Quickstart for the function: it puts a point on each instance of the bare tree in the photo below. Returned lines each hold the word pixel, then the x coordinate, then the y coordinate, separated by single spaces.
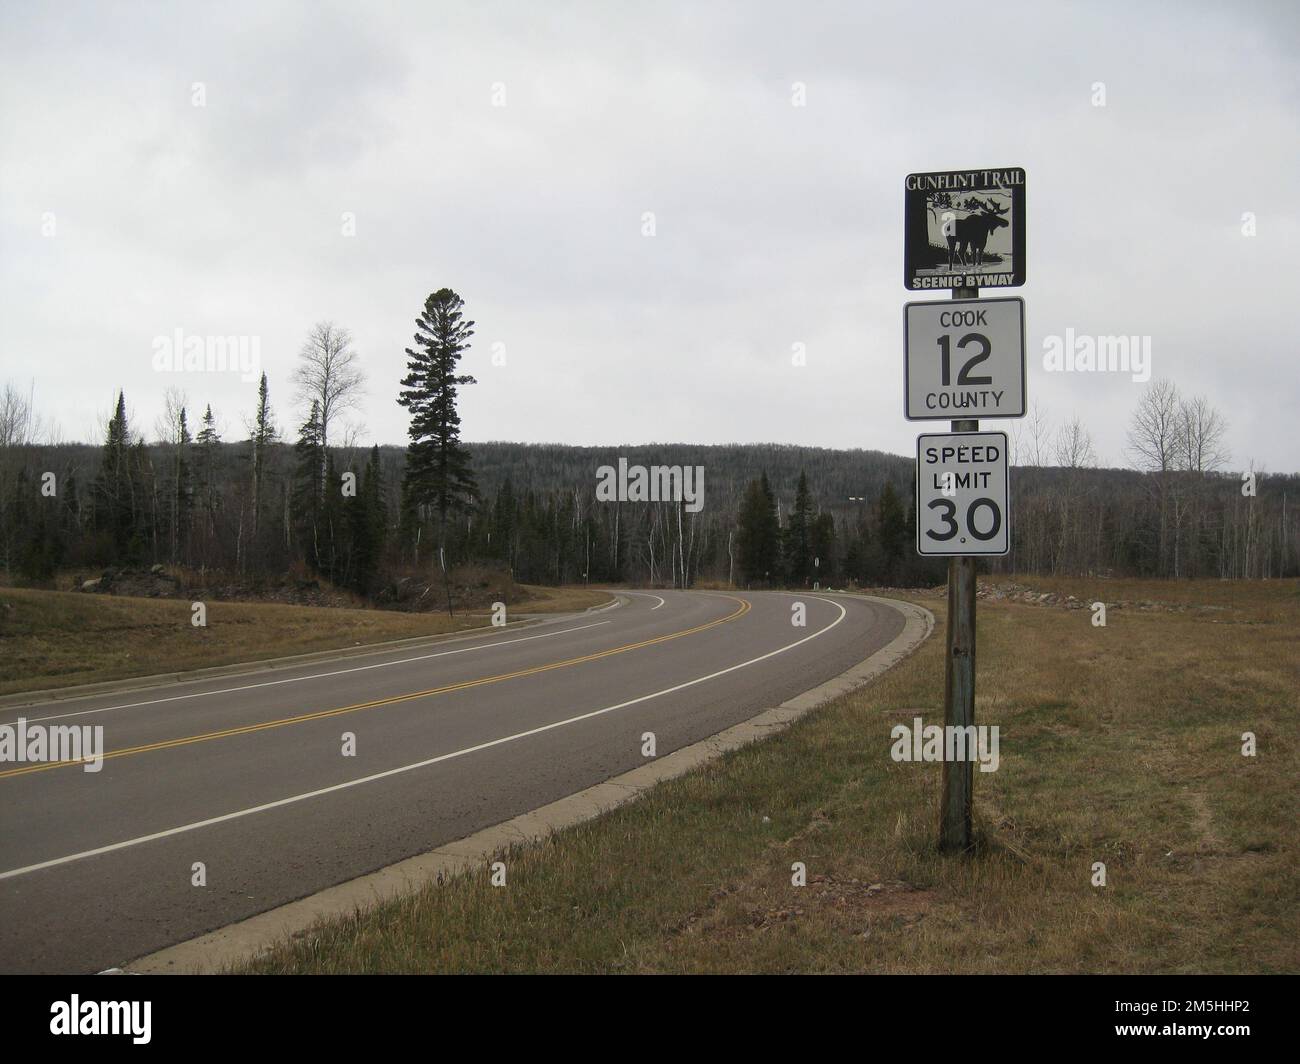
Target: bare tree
pixel 1040 434
pixel 328 374
pixel 353 434
pixel 1153 432
pixel 16 418
pixel 1074 448
pixel 1153 444
pixel 1200 430
pixel 172 429
pixel 17 433
pixel 1073 451
pixel 1199 448
pixel 20 424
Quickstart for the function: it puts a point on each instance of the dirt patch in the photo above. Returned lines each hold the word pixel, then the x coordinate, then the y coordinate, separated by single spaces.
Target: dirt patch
pixel 854 899
pixel 160 582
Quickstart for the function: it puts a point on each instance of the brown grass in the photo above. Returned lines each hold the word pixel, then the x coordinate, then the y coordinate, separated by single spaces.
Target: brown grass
pixel 52 639
pixel 537 599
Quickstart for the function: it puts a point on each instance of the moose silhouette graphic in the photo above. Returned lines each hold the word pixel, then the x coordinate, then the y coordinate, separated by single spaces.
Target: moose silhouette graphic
pixel 971 234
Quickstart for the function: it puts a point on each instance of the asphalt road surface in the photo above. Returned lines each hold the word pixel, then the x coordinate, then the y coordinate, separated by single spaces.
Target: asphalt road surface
pixel 246 773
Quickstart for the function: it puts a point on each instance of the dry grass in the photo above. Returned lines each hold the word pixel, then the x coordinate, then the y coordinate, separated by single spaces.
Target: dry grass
pixel 51 639
pixel 1119 744
pixel 538 599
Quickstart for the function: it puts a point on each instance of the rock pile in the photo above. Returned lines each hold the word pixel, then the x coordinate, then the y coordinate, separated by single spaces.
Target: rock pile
pixel 1012 592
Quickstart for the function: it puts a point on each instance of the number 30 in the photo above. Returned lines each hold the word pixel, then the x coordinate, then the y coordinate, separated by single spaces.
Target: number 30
pixel 949 508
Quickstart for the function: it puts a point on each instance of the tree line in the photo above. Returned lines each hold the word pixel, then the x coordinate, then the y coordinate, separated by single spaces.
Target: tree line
pixel 315 504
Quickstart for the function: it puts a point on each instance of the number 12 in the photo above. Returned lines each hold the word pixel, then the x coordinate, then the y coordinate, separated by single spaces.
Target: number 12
pixel 964 376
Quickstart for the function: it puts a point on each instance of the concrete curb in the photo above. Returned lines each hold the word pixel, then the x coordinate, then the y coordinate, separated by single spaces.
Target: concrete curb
pixel 133 683
pixel 243 940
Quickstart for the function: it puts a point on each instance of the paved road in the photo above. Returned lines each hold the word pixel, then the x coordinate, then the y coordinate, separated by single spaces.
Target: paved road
pixel 246 773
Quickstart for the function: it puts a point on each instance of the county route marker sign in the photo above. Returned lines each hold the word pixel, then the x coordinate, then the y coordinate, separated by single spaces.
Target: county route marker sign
pixel 962 496
pixel 964 358
pixel 964 229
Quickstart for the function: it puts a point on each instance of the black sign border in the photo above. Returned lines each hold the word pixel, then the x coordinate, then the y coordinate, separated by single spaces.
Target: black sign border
pixel 1018 211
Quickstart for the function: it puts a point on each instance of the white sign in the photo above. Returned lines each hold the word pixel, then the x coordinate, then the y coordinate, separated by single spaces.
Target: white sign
pixel 962 493
pixel 965 358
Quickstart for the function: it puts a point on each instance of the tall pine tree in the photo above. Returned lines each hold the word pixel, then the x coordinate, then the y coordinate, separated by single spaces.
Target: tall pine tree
pixel 264 434
pixel 438 479
pixel 114 489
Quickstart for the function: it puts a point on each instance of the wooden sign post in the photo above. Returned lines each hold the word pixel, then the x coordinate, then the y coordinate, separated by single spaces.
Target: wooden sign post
pixel 959 679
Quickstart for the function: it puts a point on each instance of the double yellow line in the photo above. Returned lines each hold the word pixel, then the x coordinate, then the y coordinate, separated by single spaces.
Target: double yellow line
pixel 322 714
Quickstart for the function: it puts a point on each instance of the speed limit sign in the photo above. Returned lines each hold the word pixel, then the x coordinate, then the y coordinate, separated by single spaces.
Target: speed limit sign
pixel 965 358
pixel 962 493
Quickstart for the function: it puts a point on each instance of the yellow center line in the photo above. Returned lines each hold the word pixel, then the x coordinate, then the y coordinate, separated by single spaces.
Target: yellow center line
pixel 322 714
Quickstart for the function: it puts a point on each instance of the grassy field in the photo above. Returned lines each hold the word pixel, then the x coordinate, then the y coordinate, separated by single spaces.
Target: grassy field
pixel 1119 745
pixel 51 639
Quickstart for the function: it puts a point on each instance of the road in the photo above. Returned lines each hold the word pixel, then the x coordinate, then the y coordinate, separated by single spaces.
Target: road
pixel 246 773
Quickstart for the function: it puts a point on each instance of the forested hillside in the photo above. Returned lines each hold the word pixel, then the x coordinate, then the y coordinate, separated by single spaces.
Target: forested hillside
pixel 255 510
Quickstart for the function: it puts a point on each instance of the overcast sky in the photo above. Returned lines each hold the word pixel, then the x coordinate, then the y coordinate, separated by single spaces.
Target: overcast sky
pixel 127 212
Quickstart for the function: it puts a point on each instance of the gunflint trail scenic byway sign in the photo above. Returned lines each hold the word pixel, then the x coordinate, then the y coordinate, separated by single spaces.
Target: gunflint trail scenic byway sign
pixel 964 229
pixel 964 358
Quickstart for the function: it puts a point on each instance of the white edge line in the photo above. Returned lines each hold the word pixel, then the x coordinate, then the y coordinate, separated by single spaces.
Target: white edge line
pixel 646 594
pixel 292 799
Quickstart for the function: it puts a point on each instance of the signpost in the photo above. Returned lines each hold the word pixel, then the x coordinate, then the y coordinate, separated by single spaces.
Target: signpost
pixel 964 359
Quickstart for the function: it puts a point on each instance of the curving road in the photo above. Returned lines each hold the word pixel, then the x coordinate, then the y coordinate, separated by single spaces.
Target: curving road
pixel 246 773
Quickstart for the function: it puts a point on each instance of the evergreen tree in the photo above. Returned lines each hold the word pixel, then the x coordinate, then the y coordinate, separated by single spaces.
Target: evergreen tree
pixel 144 494
pixel 264 434
pixel 438 478
pixel 113 492
pixel 823 548
pixel 42 551
pixel 798 537
pixel 305 497
pixel 758 538
pixel 330 544
pixel 504 518
pixel 206 449
pixel 892 520
pixel 367 525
